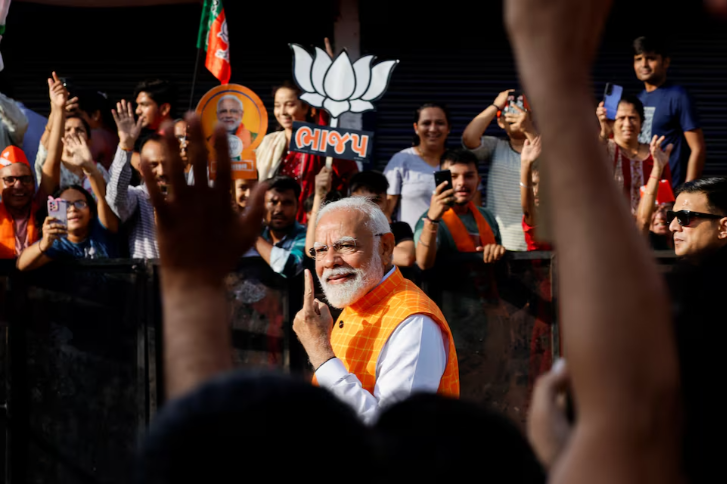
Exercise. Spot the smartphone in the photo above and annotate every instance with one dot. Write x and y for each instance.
(57, 209)
(612, 96)
(442, 176)
(517, 98)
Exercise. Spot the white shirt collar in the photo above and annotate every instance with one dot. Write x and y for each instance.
(386, 276)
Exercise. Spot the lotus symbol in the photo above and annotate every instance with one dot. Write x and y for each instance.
(338, 85)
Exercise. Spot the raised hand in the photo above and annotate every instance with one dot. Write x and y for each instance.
(200, 236)
(128, 129)
(607, 125)
(531, 151)
(52, 231)
(442, 200)
(323, 181)
(661, 157)
(548, 426)
(521, 120)
(57, 93)
(81, 152)
(502, 99)
(313, 326)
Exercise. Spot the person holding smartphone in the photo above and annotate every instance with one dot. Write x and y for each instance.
(88, 228)
(503, 159)
(453, 223)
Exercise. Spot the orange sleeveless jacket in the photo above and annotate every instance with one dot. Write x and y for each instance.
(363, 328)
(7, 232)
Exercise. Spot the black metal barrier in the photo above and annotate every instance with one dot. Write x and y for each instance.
(83, 356)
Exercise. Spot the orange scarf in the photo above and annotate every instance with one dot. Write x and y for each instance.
(7, 232)
(463, 240)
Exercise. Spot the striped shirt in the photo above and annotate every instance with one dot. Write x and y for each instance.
(286, 256)
(132, 204)
(502, 186)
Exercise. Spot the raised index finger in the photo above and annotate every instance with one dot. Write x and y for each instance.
(308, 291)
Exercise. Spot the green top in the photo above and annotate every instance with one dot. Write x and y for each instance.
(445, 242)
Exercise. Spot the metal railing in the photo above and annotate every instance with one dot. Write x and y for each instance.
(84, 374)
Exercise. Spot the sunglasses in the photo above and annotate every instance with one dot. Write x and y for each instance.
(685, 217)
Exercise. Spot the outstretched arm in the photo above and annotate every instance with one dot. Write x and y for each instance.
(614, 302)
(476, 128)
(122, 202)
(51, 172)
(647, 203)
(529, 154)
(82, 158)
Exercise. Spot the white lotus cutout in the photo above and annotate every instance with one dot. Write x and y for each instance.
(338, 85)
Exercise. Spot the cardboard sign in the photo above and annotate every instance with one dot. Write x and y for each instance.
(242, 113)
(339, 143)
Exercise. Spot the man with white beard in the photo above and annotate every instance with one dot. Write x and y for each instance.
(391, 340)
(230, 113)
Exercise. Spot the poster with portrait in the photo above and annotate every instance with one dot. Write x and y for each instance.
(242, 113)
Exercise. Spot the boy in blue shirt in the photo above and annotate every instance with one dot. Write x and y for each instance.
(669, 111)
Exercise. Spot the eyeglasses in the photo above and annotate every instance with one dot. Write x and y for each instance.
(10, 180)
(345, 246)
(80, 204)
(685, 217)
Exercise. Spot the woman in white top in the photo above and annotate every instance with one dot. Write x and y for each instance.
(411, 171)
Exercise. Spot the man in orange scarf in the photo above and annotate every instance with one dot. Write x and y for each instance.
(18, 228)
(454, 223)
(391, 340)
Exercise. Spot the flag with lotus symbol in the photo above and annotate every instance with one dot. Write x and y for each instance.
(213, 36)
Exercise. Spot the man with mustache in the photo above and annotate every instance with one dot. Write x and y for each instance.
(454, 223)
(131, 203)
(20, 201)
(391, 340)
(284, 239)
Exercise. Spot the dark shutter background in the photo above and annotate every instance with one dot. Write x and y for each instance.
(457, 52)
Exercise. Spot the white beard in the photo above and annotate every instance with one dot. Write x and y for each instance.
(347, 293)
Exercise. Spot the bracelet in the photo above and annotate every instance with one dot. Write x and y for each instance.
(319, 366)
(41, 249)
(653, 177)
(432, 221)
(524, 185)
(496, 107)
(422, 242)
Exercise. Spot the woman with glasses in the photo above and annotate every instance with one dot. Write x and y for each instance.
(90, 229)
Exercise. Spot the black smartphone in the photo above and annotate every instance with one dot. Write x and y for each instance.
(442, 176)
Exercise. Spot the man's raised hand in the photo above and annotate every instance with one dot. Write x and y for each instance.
(128, 129)
(313, 325)
(199, 234)
(442, 199)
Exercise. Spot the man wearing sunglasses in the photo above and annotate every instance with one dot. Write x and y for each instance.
(20, 203)
(391, 340)
(698, 219)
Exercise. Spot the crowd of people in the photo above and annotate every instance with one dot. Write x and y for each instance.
(654, 142)
(142, 189)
